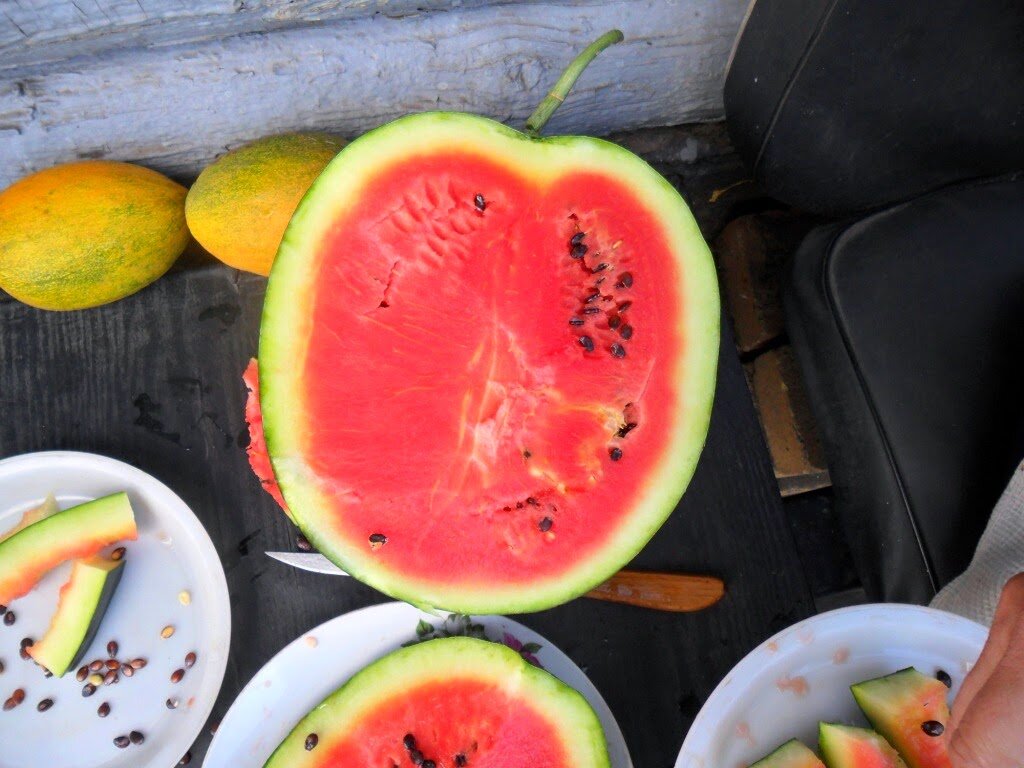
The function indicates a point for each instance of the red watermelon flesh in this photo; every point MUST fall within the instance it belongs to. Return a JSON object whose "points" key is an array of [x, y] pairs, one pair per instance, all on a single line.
{"points": [[257, 448], [487, 362], [457, 702], [911, 710]]}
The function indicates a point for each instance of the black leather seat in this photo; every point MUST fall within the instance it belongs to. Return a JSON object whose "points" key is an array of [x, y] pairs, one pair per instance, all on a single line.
{"points": [[909, 327], [909, 323]]}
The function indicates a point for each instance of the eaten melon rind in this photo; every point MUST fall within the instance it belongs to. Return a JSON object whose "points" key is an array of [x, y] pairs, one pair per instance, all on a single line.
{"points": [[898, 704], [844, 746], [84, 600], [792, 754], [286, 328], [446, 659], [47, 509], [77, 532]]}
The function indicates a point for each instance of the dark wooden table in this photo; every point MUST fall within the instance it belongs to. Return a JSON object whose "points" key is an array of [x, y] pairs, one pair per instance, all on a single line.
{"points": [[154, 380]]}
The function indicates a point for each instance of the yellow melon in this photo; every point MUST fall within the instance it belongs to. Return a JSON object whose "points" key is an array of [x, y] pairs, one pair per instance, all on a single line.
{"points": [[240, 205], [85, 234]]}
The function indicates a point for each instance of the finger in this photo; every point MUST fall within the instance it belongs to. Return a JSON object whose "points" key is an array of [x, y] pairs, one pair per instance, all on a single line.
{"points": [[1011, 606], [989, 735]]}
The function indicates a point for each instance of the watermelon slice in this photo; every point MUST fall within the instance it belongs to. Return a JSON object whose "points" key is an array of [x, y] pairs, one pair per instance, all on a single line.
{"points": [[77, 532], [792, 754], [843, 746], [910, 709], [449, 703], [487, 361]]}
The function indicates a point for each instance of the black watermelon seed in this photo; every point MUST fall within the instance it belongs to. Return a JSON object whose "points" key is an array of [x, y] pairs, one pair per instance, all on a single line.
{"points": [[626, 332], [614, 322], [577, 238], [527, 454], [122, 742], [112, 649], [409, 741], [460, 760], [626, 428], [532, 501], [416, 756], [601, 267], [172, 703], [429, 764], [578, 251], [88, 690], [103, 710], [625, 280], [190, 660], [615, 454], [136, 737], [27, 641], [545, 524], [378, 538], [44, 705], [592, 297], [82, 674], [943, 677], [587, 343], [95, 666], [312, 740], [479, 202], [576, 321], [177, 675], [302, 544], [933, 727], [625, 305], [618, 350], [591, 310], [9, 618]]}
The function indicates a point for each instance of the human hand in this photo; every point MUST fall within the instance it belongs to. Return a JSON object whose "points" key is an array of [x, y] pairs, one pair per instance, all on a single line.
{"points": [[986, 729]]}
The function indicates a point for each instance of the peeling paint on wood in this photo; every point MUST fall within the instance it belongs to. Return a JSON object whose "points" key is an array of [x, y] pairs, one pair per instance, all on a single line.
{"points": [[177, 105]]}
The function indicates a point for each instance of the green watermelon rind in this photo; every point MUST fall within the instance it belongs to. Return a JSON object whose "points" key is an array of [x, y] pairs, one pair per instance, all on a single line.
{"points": [[879, 698], [829, 735], [444, 658], [286, 318], [793, 754]]}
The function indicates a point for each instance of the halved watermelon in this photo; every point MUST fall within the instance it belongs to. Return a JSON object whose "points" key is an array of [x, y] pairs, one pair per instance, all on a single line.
{"points": [[487, 361], [792, 754], [843, 746], [909, 709], [455, 702], [77, 532]]}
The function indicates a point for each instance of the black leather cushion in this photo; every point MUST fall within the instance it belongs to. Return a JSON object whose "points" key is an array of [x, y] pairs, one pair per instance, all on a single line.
{"points": [[909, 327], [846, 105]]}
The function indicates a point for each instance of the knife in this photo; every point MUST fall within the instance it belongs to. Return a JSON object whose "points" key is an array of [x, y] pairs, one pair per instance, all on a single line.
{"points": [[675, 592]]}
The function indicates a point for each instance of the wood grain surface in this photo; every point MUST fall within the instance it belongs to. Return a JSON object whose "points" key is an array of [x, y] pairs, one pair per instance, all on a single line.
{"points": [[155, 380], [176, 94]]}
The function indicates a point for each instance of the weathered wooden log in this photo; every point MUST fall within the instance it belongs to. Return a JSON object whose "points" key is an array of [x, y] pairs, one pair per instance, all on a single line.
{"points": [[176, 100]]}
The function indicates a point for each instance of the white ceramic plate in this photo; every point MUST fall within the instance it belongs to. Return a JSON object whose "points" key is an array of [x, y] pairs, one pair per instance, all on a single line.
{"points": [[802, 675], [315, 665], [173, 554]]}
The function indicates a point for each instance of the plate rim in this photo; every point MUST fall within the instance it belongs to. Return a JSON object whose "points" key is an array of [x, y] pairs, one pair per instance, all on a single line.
{"points": [[717, 703], [219, 597], [393, 605]]}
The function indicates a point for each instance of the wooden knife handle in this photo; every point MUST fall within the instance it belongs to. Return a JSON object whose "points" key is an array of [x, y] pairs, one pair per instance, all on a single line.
{"points": [[661, 591]]}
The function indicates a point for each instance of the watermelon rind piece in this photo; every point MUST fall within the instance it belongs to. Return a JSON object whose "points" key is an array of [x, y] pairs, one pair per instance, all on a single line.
{"points": [[574, 721], [897, 706], [47, 509], [76, 532], [84, 601], [844, 746], [286, 324], [792, 754]]}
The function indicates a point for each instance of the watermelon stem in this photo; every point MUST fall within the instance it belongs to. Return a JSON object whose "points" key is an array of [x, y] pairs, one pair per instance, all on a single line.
{"points": [[557, 95]]}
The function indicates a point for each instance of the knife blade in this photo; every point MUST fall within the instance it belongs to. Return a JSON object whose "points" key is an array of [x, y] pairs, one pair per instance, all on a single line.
{"points": [[675, 592], [308, 561]]}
